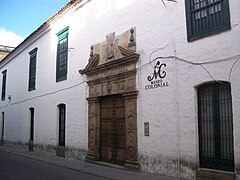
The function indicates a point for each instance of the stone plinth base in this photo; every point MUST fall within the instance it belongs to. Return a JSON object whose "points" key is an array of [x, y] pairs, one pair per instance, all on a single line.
{"points": [[30, 145], [215, 174], [61, 151], [134, 165]]}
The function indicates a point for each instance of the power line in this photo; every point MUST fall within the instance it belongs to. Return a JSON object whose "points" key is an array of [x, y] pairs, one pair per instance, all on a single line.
{"points": [[139, 68], [230, 73], [43, 95], [195, 63]]}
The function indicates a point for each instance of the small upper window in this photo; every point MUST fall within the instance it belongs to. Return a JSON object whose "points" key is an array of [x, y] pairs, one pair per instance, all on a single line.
{"points": [[4, 81], [205, 17], [32, 69], [62, 55]]}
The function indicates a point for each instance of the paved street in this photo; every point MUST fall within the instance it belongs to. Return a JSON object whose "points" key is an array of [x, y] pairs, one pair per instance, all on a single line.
{"points": [[21, 164], [15, 167]]}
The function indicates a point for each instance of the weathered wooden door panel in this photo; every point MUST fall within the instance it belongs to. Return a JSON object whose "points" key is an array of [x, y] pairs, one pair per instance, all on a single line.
{"points": [[112, 129]]}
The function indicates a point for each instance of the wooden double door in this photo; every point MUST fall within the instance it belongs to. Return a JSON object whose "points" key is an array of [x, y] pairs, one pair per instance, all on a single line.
{"points": [[112, 129]]}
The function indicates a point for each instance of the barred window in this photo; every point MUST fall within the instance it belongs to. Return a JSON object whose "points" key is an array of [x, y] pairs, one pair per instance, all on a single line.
{"points": [[215, 122], [205, 17]]}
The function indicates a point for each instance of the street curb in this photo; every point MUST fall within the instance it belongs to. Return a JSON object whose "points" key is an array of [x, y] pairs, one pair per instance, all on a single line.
{"points": [[55, 164], [95, 169]]}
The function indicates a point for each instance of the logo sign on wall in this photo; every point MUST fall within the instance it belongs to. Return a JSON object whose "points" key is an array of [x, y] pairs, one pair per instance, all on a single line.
{"points": [[157, 78]]}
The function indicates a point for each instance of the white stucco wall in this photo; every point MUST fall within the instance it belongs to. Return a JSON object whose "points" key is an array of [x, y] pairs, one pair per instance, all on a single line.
{"points": [[171, 111]]}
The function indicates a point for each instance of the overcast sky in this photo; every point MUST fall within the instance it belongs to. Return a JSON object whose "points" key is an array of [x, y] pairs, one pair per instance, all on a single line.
{"points": [[19, 18]]}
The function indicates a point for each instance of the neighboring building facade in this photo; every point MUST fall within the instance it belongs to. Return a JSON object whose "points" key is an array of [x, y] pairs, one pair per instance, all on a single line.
{"points": [[4, 51], [134, 83]]}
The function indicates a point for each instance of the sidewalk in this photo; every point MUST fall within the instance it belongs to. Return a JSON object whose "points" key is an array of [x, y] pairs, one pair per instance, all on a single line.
{"points": [[88, 168]]}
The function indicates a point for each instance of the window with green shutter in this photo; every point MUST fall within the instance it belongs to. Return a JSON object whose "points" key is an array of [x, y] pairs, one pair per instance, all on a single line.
{"points": [[206, 17], [62, 55], [32, 69]]}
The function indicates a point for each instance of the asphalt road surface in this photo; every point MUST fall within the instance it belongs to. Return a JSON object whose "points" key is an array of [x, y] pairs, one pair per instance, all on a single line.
{"points": [[16, 167]]}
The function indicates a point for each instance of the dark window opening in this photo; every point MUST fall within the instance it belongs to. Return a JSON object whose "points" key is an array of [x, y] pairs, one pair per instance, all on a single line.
{"points": [[4, 81], [62, 118], [32, 70], [215, 126], [31, 124], [2, 130]]}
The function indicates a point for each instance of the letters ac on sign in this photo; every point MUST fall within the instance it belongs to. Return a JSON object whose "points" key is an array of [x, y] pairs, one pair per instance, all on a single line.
{"points": [[157, 78]]}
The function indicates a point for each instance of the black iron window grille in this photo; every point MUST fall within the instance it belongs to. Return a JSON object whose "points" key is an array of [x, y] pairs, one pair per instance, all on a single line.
{"points": [[215, 122], [205, 17]]}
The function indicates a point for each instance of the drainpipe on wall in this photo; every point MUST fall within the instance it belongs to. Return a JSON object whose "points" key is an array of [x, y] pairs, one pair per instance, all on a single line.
{"points": [[86, 113], [177, 111]]}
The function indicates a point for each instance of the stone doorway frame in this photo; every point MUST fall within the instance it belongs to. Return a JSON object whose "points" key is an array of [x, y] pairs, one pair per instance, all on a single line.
{"points": [[114, 76]]}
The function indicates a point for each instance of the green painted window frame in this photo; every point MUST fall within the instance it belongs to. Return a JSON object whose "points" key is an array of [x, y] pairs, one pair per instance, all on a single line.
{"points": [[4, 84], [206, 17], [62, 55], [32, 69]]}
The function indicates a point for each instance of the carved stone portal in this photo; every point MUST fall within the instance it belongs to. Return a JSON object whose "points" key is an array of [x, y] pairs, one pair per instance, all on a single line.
{"points": [[111, 71]]}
